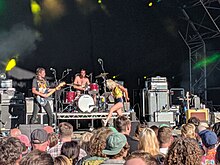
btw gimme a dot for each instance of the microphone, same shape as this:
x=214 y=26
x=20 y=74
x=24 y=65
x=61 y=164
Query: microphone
x=68 y=70
x=52 y=69
x=100 y=60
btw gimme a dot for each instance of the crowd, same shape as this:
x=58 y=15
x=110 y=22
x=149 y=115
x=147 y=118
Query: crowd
x=196 y=144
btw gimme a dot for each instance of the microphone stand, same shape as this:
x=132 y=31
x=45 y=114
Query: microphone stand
x=104 y=82
x=55 y=97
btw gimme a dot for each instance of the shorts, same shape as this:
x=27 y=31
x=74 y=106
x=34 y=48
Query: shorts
x=119 y=100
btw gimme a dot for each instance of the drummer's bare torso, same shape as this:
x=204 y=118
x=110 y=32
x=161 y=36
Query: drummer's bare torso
x=81 y=81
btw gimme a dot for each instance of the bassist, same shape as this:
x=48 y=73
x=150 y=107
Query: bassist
x=40 y=88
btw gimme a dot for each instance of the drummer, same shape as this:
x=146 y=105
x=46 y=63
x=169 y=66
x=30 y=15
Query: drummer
x=81 y=82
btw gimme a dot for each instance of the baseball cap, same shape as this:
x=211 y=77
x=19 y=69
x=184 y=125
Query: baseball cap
x=48 y=129
x=114 y=144
x=39 y=136
x=209 y=138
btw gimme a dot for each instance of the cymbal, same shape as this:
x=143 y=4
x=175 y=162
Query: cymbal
x=101 y=75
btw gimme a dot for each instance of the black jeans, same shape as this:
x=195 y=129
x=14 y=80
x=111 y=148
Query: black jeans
x=48 y=110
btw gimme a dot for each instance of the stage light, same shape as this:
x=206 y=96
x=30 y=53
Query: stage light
x=99 y=1
x=10 y=65
x=150 y=4
x=207 y=61
x=36 y=11
x=35 y=7
x=113 y=77
x=145 y=77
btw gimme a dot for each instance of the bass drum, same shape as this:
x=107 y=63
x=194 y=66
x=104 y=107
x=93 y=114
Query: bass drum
x=86 y=103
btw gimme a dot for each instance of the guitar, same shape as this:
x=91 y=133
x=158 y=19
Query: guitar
x=43 y=101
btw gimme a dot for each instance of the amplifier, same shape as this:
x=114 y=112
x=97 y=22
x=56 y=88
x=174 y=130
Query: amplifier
x=165 y=117
x=215 y=117
x=29 y=102
x=201 y=114
x=42 y=118
x=6 y=83
x=12 y=115
x=158 y=79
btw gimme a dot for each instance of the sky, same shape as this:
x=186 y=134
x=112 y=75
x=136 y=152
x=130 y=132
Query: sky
x=133 y=40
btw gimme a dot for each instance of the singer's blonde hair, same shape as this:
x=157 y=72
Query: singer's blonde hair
x=111 y=84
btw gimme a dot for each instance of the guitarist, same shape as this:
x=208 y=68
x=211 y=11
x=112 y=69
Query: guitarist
x=40 y=87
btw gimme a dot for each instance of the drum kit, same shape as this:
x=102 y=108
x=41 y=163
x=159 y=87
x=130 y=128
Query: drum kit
x=88 y=101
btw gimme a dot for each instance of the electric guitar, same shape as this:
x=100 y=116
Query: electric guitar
x=43 y=100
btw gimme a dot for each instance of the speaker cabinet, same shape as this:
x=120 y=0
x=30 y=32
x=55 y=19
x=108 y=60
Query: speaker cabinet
x=12 y=115
x=158 y=100
x=42 y=118
x=165 y=117
x=29 y=103
x=26 y=129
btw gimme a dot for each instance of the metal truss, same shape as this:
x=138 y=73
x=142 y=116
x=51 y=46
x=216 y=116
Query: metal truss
x=201 y=20
x=79 y=116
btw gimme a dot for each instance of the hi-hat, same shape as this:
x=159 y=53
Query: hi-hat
x=101 y=75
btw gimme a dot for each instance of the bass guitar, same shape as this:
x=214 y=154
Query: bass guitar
x=43 y=100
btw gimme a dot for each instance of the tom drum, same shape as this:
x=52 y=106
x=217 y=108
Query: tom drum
x=70 y=97
x=93 y=88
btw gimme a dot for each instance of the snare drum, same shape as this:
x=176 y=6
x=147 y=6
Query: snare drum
x=86 y=103
x=70 y=97
x=93 y=88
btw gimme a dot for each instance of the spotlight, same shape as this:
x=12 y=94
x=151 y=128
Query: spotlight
x=10 y=65
x=99 y=1
x=151 y=3
x=35 y=7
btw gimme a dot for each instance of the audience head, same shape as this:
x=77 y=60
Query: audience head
x=98 y=141
x=139 y=129
x=123 y=125
x=37 y=157
x=116 y=146
x=15 y=132
x=195 y=121
x=48 y=129
x=216 y=129
x=165 y=136
x=65 y=130
x=39 y=139
x=25 y=140
x=85 y=140
x=155 y=129
x=10 y=151
x=202 y=126
x=141 y=158
x=71 y=150
x=53 y=139
x=62 y=160
x=209 y=138
x=188 y=130
x=184 y=151
x=148 y=142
